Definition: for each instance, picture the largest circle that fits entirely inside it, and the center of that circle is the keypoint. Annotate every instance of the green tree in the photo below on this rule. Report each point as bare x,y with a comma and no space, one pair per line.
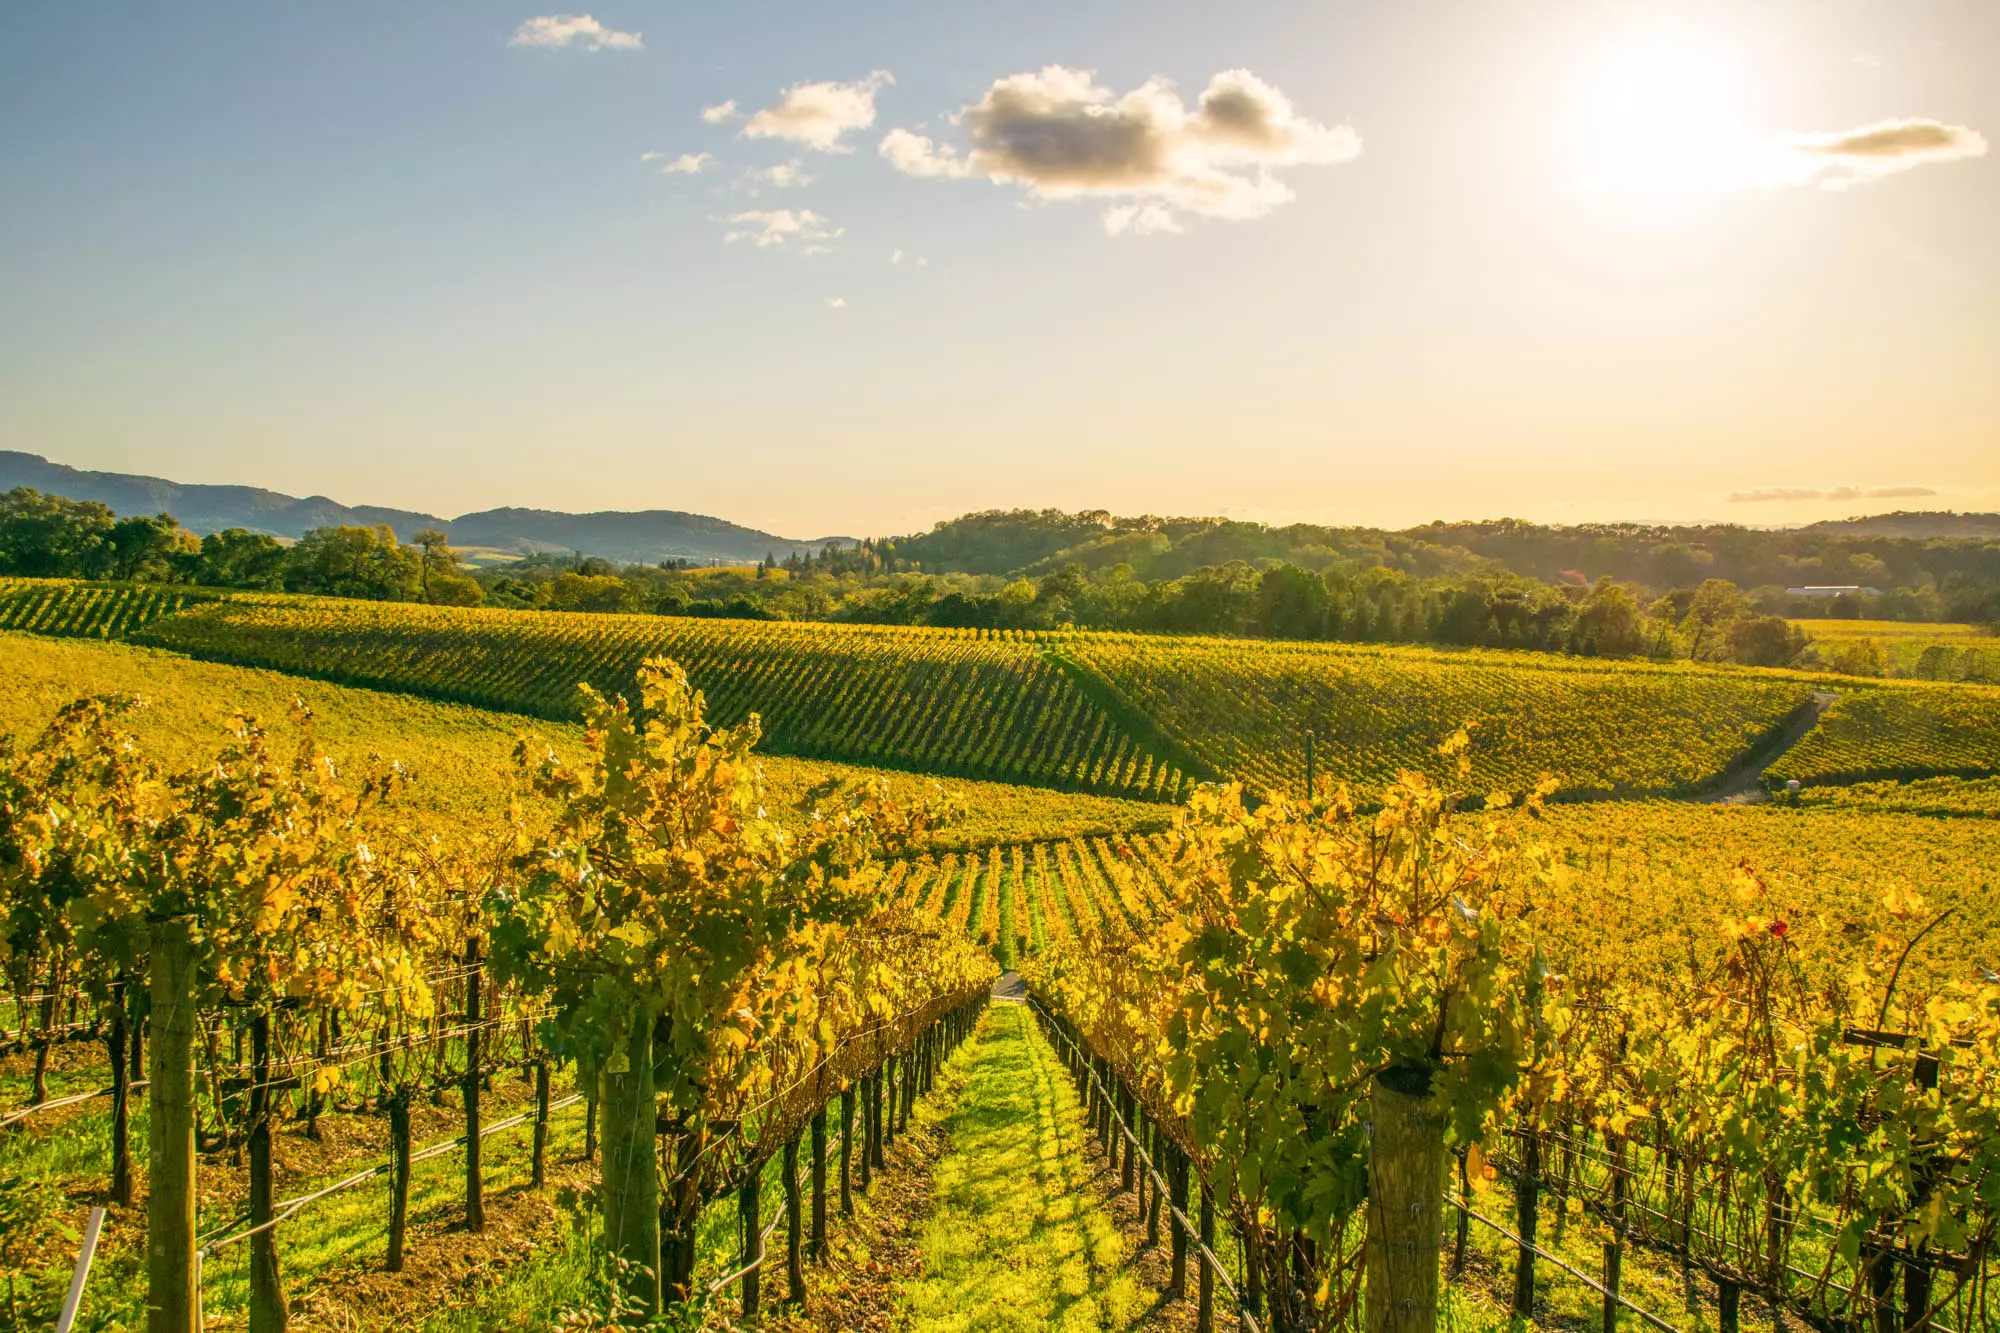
1608,623
1715,604
1765,641
355,562
590,592
148,549
49,537
234,558
1291,603
443,583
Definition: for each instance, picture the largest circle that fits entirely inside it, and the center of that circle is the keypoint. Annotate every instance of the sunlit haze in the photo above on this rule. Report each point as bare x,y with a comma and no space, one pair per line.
854,269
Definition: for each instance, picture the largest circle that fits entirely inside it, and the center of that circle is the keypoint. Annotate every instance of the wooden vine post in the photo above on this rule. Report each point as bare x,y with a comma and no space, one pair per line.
819,1185
170,1205
1177,1181
121,1095
1405,1203
475,1184
750,1201
399,1176
1205,1306
795,1270
847,1150
540,1170
1614,1248
1527,1211
268,1312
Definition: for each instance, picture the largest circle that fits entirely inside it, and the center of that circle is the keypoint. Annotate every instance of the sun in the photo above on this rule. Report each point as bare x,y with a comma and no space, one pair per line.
1663,113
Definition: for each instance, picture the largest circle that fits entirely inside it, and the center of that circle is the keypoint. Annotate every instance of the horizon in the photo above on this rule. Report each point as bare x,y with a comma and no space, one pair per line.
833,534
862,272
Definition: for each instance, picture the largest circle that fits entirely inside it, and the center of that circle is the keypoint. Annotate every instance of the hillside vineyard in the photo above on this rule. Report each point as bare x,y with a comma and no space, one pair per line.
1602,985
1118,714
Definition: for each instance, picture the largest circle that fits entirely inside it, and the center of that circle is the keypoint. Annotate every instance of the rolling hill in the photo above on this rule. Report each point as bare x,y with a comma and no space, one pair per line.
637,537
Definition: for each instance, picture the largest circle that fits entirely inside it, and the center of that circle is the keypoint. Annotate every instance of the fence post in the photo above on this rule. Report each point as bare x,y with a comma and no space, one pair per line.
475,1184
819,1185
1527,1205
267,1289
751,1202
170,1203
1405,1202
1730,1298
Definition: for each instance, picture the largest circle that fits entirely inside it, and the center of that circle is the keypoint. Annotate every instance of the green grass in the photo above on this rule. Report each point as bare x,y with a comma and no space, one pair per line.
1015,1239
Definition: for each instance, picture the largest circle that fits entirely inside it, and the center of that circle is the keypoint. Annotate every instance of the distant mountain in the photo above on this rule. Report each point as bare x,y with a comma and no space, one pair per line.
201,509
642,537
1922,525
636,538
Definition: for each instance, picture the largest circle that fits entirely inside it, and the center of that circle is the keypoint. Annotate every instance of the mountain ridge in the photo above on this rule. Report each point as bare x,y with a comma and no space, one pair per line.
628,536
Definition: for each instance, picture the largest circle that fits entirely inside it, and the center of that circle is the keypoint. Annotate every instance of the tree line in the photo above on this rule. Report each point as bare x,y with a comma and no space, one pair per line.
1084,570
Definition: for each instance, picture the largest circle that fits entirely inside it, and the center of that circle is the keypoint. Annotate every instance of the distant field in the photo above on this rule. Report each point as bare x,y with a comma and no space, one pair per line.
1917,650
460,757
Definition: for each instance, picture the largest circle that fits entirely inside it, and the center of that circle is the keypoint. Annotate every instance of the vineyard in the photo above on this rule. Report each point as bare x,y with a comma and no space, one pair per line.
963,704
229,932
1613,728
83,610
458,760
1338,1010
373,1037
1117,715
1914,651
1904,730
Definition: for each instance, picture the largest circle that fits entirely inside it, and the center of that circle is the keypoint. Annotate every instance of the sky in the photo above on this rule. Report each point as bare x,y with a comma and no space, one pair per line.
855,269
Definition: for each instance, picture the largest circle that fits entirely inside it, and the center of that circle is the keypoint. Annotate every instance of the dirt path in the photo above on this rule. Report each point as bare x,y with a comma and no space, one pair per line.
1747,786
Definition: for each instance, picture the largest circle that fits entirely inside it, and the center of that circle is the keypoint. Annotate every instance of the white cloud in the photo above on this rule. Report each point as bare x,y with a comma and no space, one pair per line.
896,256
1140,219
687,164
1770,494
1851,157
1675,158
1060,134
556,31
790,175
836,303
720,112
781,226
820,115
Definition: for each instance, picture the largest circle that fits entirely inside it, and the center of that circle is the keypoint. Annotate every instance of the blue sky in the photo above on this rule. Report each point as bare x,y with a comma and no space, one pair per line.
1556,260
